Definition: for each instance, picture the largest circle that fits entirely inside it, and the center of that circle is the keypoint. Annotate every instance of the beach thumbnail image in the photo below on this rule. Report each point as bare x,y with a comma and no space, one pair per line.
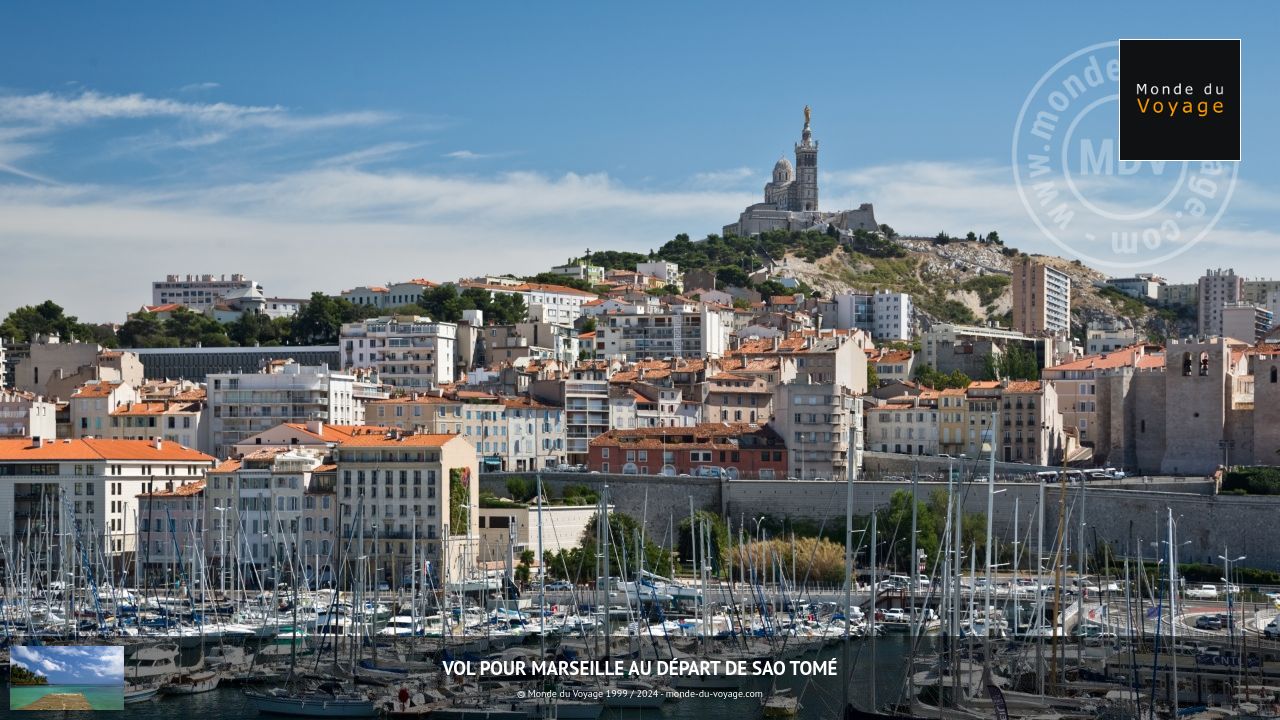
68,677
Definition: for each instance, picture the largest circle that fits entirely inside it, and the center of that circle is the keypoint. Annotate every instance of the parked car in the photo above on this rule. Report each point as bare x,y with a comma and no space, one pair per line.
895,615
1208,622
559,585
1272,630
1204,592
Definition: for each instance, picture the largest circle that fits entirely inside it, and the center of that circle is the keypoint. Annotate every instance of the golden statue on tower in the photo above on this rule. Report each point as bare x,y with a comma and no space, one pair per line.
806,114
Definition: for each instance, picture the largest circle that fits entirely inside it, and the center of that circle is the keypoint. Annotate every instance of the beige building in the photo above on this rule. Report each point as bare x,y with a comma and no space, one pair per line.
55,369
393,486
1041,298
1077,386
817,422
1030,424
1215,289
737,398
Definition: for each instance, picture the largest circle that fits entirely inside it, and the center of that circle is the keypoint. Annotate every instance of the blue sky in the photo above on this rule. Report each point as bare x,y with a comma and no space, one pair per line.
72,664
324,146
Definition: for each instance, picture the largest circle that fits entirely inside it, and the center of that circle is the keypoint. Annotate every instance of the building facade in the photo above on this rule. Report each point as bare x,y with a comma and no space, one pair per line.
405,351
1215,290
245,404
198,292
1041,298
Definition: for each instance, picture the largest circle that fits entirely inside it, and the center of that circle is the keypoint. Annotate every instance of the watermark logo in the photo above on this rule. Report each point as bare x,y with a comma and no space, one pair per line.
1103,210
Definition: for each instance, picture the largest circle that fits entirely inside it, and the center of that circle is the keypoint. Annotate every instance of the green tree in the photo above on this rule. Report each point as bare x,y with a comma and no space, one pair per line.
719,540
320,321
188,327
894,526
873,377
47,318
521,488
141,330
1015,363
459,500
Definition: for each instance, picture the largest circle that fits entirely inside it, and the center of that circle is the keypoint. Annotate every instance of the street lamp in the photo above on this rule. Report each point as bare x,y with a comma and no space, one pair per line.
1226,579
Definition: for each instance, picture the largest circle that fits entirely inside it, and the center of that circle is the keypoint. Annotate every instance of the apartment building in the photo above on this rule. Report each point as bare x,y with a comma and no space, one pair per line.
51,486
1030,427
493,346
198,292
255,514
242,405
732,450
171,533
405,351
1076,385
55,369
508,433
1245,321
907,424
584,394
24,414
737,398
690,330
391,295
819,356
1041,298
393,487
817,421
1215,290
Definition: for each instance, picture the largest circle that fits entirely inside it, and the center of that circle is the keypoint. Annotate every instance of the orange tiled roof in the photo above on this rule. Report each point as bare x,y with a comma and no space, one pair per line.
340,433
894,356
227,466
153,408
1023,386
1124,357
95,390
166,307
397,440
183,490
98,449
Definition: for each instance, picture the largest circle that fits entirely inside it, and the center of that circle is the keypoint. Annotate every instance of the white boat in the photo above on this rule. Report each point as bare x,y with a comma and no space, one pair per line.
317,703
192,683
139,693
152,661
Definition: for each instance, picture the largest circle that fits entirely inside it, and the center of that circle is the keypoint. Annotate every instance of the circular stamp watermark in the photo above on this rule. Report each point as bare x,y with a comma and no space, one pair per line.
1082,196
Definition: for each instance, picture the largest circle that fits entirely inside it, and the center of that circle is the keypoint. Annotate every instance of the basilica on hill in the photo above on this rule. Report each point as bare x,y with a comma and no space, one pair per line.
791,198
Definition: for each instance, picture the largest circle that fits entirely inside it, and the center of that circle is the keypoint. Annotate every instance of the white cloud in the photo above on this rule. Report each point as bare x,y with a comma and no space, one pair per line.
51,110
732,179
365,156
468,155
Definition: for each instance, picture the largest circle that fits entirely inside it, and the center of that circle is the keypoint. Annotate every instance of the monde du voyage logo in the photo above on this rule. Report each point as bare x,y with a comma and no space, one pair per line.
1143,182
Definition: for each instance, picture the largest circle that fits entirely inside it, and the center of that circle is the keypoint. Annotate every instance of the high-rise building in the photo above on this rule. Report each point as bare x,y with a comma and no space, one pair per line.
1041,298
1216,289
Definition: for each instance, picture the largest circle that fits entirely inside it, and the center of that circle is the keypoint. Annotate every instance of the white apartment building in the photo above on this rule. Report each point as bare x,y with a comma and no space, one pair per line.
255,511
667,272
584,395
198,292
92,482
1101,338
388,296
245,404
508,433
24,414
891,313
692,330
405,351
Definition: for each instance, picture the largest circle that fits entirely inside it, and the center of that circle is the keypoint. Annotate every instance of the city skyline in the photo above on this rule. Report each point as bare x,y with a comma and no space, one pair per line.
286,150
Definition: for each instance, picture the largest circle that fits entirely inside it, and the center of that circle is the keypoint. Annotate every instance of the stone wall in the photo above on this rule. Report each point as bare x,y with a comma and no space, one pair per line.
1127,516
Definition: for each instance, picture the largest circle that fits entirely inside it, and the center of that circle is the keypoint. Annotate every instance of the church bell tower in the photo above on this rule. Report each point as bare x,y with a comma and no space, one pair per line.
806,183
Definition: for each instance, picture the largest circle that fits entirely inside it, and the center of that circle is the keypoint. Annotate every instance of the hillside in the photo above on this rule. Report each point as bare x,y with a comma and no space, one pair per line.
951,279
